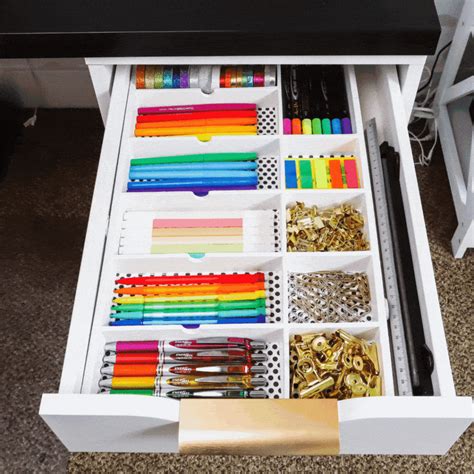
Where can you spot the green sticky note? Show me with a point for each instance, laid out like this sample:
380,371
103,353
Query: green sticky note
317,126
306,175
320,173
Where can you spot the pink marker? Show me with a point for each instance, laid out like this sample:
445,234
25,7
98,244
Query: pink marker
170,109
286,126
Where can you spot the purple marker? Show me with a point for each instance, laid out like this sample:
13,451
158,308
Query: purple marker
346,126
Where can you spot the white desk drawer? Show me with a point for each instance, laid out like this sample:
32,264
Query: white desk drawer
87,421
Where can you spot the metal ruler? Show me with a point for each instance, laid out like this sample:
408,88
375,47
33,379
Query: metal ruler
400,355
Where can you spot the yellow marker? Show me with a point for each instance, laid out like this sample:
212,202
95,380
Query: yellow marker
203,132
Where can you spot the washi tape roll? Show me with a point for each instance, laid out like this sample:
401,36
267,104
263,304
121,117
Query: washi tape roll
270,76
215,82
149,77
167,77
205,79
176,78
239,73
140,77
228,76
233,77
158,77
258,77
194,77
183,77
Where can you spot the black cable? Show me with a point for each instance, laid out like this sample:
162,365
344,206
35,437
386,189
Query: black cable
425,85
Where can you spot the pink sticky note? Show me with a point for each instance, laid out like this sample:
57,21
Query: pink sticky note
180,223
352,179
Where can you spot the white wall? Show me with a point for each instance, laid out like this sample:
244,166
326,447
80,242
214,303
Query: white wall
59,83
52,83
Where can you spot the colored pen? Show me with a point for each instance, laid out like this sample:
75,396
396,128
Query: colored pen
139,299
202,174
198,122
206,182
178,394
144,370
186,344
210,165
188,321
192,279
185,314
190,381
196,115
196,158
191,289
217,356
170,109
193,131
190,307
148,186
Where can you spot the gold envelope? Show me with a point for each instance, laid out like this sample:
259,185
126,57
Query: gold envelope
259,427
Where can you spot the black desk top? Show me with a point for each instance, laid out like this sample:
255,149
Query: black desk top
112,28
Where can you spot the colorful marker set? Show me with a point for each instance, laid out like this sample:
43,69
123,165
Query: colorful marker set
215,367
199,173
206,78
314,100
145,232
321,173
200,120
190,300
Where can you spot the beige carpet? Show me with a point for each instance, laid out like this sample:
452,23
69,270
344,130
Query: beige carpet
44,206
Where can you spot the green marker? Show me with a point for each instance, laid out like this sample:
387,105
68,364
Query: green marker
317,126
114,391
199,158
326,123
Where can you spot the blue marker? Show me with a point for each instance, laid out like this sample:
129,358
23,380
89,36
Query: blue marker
193,183
235,313
194,174
186,322
336,126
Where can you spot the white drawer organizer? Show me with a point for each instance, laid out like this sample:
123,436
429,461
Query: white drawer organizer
87,421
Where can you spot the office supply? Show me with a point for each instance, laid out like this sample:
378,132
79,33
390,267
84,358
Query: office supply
187,321
221,342
321,173
203,174
287,126
237,355
189,381
197,131
188,116
197,122
332,229
154,369
207,166
396,318
197,158
329,297
192,279
315,95
170,109
179,394
197,190
354,371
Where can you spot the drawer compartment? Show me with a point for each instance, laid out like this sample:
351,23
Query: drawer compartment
86,420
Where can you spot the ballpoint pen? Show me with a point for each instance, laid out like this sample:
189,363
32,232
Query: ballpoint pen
156,369
218,356
178,394
188,381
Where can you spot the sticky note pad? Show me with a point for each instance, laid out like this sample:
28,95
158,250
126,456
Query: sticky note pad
336,174
352,178
290,174
320,173
306,175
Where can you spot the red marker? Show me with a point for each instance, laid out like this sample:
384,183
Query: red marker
192,279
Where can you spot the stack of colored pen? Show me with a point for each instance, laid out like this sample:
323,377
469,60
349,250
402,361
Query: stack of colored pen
314,100
206,78
197,173
215,367
190,300
166,232
321,173
201,120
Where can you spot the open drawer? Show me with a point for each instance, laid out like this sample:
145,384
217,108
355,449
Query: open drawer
87,421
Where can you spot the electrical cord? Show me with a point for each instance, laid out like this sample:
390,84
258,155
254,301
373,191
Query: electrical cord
425,85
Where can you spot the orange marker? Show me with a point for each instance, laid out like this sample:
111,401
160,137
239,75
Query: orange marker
199,122
296,126
198,131
192,289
